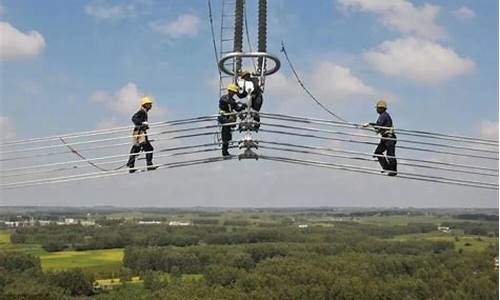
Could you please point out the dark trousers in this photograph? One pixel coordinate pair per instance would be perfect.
(256, 105)
(257, 102)
(226, 137)
(136, 148)
(387, 163)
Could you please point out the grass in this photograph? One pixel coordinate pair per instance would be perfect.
(6, 245)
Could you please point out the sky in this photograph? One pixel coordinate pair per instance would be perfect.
(68, 66)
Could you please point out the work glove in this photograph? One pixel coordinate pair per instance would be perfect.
(366, 125)
(145, 125)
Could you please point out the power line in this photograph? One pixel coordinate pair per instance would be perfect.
(405, 173)
(310, 129)
(371, 171)
(115, 173)
(109, 130)
(372, 143)
(66, 144)
(46, 171)
(400, 131)
(108, 146)
(400, 161)
(95, 159)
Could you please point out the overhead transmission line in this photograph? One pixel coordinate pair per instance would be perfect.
(373, 171)
(451, 167)
(418, 133)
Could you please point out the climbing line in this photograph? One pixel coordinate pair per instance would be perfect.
(283, 49)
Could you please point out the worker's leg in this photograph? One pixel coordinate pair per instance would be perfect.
(226, 137)
(379, 152)
(147, 147)
(391, 153)
(133, 154)
(257, 103)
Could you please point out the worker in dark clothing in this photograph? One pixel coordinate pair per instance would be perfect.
(228, 105)
(251, 85)
(141, 141)
(385, 128)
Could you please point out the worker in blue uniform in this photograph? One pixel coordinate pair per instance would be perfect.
(385, 128)
(140, 137)
(227, 106)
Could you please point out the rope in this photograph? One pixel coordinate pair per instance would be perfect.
(213, 37)
(305, 88)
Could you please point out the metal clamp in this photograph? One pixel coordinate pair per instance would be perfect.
(274, 69)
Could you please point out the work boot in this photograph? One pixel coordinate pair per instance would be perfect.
(392, 173)
(131, 167)
(151, 167)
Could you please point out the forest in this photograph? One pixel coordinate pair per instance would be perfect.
(264, 255)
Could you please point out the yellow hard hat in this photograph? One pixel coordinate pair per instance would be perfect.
(146, 100)
(243, 73)
(382, 104)
(232, 87)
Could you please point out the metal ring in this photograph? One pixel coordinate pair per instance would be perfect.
(273, 70)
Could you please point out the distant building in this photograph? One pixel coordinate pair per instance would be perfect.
(148, 222)
(177, 223)
(444, 229)
(303, 225)
(70, 221)
(87, 223)
(496, 263)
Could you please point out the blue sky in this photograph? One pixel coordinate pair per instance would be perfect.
(436, 62)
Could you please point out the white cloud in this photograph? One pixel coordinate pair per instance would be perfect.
(402, 15)
(327, 80)
(125, 101)
(464, 13)
(17, 44)
(107, 124)
(7, 128)
(185, 25)
(2, 10)
(115, 12)
(417, 59)
(489, 130)
(331, 79)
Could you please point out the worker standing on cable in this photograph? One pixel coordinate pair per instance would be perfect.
(385, 128)
(250, 86)
(140, 136)
(227, 106)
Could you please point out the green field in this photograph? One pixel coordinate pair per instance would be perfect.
(99, 262)
(466, 243)
(102, 263)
